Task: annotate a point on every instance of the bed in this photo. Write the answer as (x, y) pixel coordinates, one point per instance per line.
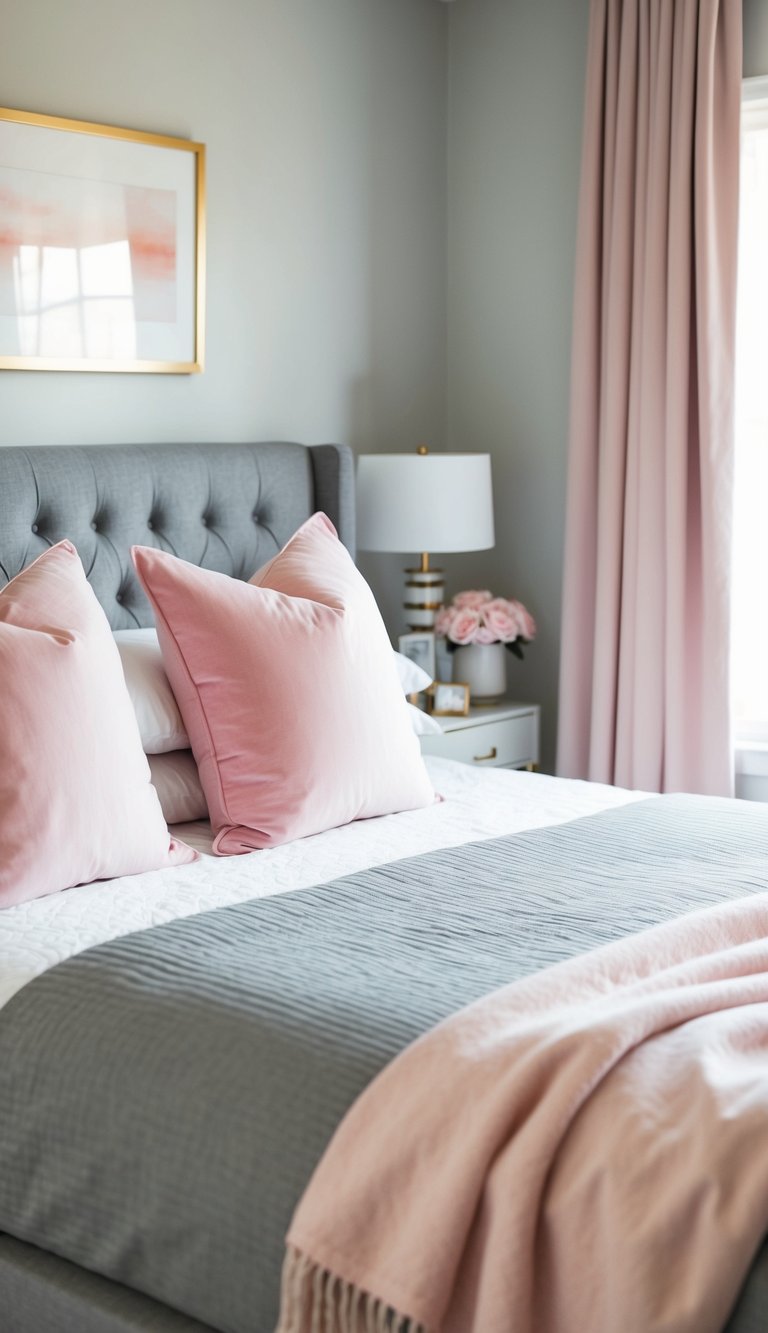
(230, 508)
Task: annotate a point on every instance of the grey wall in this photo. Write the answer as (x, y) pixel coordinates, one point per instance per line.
(324, 122)
(516, 84)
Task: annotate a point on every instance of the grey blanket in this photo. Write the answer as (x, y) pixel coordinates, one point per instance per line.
(164, 1098)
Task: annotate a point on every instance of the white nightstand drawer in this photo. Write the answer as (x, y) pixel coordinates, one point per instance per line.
(495, 742)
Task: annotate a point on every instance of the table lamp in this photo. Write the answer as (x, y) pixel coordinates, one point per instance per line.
(427, 503)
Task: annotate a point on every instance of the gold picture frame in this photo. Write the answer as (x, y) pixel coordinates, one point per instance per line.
(102, 248)
(449, 698)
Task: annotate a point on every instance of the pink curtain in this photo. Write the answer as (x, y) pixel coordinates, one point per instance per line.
(645, 630)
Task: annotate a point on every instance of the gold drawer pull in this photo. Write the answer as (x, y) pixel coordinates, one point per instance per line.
(490, 755)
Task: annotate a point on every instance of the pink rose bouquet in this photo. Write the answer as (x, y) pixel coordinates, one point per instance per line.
(479, 617)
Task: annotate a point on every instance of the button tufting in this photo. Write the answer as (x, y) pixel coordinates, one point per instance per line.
(94, 525)
(34, 527)
(255, 517)
(205, 520)
(150, 524)
(119, 597)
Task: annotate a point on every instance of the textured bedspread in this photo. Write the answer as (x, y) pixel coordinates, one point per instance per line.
(165, 1097)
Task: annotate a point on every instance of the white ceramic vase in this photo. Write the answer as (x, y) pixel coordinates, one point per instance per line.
(483, 667)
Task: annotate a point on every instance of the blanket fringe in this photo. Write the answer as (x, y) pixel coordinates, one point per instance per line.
(314, 1300)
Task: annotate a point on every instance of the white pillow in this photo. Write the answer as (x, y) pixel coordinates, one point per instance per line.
(157, 712)
(423, 724)
(177, 783)
(154, 702)
(413, 678)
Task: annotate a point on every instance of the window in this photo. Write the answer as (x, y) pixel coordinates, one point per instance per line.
(750, 545)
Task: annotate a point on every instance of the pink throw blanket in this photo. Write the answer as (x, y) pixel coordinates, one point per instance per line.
(584, 1151)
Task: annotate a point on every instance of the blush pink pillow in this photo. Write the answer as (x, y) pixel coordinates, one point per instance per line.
(76, 802)
(289, 691)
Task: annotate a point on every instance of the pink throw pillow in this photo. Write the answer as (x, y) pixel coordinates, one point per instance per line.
(288, 690)
(76, 802)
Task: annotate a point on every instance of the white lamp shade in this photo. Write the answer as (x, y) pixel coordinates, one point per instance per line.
(424, 502)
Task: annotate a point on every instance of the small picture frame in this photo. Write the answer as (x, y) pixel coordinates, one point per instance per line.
(420, 648)
(450, 698)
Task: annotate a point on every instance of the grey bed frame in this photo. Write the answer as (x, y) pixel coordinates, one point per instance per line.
(227, 507)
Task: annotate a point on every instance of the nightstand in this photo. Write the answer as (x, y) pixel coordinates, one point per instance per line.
(505, 735)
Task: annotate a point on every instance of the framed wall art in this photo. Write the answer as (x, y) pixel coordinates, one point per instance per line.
(102, 247)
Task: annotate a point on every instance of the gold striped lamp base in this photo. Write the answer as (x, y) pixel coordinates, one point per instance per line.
(424, 595)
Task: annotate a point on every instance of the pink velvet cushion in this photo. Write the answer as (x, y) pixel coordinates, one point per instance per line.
(289, 691)
(76, 802)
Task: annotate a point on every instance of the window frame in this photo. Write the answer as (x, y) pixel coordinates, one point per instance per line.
(750, 736)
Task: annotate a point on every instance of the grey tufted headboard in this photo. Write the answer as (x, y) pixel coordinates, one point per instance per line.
(227, 507)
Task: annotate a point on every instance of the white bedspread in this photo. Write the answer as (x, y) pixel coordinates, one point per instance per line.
(477, 804)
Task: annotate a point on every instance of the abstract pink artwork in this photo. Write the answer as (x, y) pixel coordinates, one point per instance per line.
(99, 258)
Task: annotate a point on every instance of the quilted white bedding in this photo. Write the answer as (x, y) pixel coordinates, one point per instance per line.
(476, 804)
